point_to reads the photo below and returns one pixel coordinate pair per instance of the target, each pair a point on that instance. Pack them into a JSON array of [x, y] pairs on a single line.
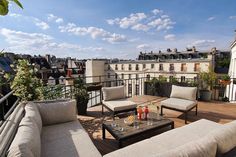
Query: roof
[[5, 64]]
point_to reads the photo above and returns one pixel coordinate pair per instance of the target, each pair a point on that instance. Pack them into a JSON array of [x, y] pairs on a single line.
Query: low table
[[129, 132]]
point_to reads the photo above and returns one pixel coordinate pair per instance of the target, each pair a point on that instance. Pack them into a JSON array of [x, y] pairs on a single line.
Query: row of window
[[161, 68]]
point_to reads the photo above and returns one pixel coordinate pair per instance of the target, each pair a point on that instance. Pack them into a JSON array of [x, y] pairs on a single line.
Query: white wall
[[94, 68]]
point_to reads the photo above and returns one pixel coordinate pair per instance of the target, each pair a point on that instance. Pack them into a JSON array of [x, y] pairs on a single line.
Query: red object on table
[[146, 111], [140, 112]]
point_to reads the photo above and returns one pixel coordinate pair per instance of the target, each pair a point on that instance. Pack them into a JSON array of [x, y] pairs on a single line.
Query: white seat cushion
[[120, 104], [188, 93], [112, 93], [177, 103], [67, 139]]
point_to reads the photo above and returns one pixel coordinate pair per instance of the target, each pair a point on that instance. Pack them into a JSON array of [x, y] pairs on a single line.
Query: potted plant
[[207, 80], [225, 80], [81, 96]]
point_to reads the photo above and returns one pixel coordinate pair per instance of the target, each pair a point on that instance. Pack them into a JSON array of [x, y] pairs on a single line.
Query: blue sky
[[116, 28]]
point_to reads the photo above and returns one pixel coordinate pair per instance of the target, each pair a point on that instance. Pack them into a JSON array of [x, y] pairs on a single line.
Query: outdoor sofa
[[51, 129]]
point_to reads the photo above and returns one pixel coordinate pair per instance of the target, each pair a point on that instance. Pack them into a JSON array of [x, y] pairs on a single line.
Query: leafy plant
[[173, 80], [51, 92], [80, 89], [162, 79], [4, 5], [225, 77], [25, 84], [207, 79]]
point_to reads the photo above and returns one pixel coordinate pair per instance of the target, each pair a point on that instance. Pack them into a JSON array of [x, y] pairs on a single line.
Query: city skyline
[[116, 29]]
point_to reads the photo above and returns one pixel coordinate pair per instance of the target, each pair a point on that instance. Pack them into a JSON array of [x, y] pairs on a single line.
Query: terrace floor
[[220, 112]]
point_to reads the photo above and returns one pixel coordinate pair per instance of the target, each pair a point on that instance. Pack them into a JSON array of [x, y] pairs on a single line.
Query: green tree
[[4, 5], [25, 84]]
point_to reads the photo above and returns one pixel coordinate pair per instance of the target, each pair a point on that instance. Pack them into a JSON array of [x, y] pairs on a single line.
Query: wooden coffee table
[[129, 132]]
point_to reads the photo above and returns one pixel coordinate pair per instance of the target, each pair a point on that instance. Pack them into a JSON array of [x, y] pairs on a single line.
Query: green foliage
[[225, 77], [4, 5], [224, 63], [51, 92], [25, 84], [162, 79], [80, 89], [207, 79], [174, 80]]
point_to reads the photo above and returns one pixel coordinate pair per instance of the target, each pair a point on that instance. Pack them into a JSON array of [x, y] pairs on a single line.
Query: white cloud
[[202, 43], [162, 24], [140, 27], [41, 24], [157, 11], [15, 15], [54, 18], [37, 42], [94, 32], [143, 46], [232, 17], [129, 21], [169, 37], [211, 18]]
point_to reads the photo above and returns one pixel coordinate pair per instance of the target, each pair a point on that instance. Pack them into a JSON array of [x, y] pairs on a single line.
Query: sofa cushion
[[113, 93], [31, 110], [27, 139], [20, 151], [54, 112], [188, 93], [67, 139], [204, 147], [225, 137], [181, 104], [120, 104], [168, 140]]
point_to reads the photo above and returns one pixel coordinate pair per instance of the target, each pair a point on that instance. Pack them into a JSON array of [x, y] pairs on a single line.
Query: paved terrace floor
[[220, 112]]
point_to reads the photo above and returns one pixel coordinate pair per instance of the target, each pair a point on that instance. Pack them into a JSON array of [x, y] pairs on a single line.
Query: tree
[[25, 84], [4, 5]]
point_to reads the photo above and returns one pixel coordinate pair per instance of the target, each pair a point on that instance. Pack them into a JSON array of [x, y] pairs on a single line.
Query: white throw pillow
[[225, 137], [188, 93], [54, 112], [27, 140], [113, 93]]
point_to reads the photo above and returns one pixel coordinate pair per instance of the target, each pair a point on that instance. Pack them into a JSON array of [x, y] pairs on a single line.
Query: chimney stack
[[194, 49]]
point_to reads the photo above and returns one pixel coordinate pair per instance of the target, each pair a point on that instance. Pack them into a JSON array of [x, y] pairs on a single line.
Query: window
[[195, 79], [172, 68], [182, 78], [148, 77], [171, 78], [130, 88], [108, 75], [137, 89], [144, 66], [116, 76], [183, 67], [137, 67], [130, 67], [122, 66], [197, 67], [108, 67], [136, 76], [122, 76], [129, 76], [116, 67], [160, 67], [152, 66]]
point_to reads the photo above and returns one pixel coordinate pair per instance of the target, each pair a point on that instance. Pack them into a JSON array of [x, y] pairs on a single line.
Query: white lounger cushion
[[188, 93], [113, 93], [181, 104], [168, 140], [225, 137], [120, 104], [67, 139]]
